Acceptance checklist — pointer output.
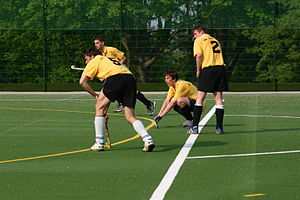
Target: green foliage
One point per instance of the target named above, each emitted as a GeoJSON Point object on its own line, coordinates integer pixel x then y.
{"type": "Point", "coordinates": [39, 42]}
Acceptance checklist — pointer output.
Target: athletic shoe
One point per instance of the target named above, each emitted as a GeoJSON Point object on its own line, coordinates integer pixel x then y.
{"type": "Point", "coordinates": [193, 130]}
{"type": "Point", "coordinates": [187, 123]}
{"type": "Point", "coordinates": [148, 146]}
{"type": "Point", "coordinates": [219, 131]}
{"type": "Point", "coordinates": [119, 109]}
{"type": "Point", "coordinates": [97, 147]}
{"type": "Point", "coordinates": [151, 108]}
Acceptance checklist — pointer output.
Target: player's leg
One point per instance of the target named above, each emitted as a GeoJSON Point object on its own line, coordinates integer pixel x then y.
{"type": "Point", "coordinates": [198, 108]}
{"type": "Point", "coordinates": [219, 112]}
{"type": "Point", "coordinates": [149, 104]}
{"type": "Point", "coordinates": [140, 129]}
{"type": "Point", "coordinates": [220, 85]}
{"type": "Point", "coordinates": [129, 101]}
{"type": "Point", "coordinates": [101, 106]}
{"type": "Point", "coordinates": [183, 107]}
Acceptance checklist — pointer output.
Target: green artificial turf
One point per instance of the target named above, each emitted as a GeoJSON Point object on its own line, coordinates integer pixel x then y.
{"type": "Point", "coordinates": [50, 125]}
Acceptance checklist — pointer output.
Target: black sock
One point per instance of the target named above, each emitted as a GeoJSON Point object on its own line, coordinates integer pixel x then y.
{"type": "Point", "coordinates": [185, 112]}
{"type": "Point", "coordinates": [143, 99]}
{"type": "Point", "coordinates": [219, 117]}
{"type": "Point", "coordinates": [197, 114]}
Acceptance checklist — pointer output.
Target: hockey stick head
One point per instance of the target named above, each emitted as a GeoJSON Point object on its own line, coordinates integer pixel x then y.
{"type": "Point", "coordinates": [107, 145]}
{"type": "Point", "coordinates": [76, 68]}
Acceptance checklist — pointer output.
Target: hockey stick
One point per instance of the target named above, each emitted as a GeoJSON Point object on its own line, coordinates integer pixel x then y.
{"type": "Point", "coordinates": [108, 143]}
{"type": "Point", "coordinates": [76, 68]}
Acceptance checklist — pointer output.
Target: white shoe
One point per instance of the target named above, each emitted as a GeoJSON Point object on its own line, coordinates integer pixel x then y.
{"type": "Point", "coordinates": [151, 108]}
{"type": "Point", "coordinates": [187, 123]}
{"type": "Point", "coordinates": [192, 130]}
{"type": "Point", "coordinates": [120, 108]}
{"type": "Point", "coordinates": [148, 146]}
{"type": "Point", "coordinates": [97, 147]}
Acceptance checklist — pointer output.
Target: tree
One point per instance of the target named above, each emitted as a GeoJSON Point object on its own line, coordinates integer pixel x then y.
{"type": "Point", "coordinates": [155, 35]}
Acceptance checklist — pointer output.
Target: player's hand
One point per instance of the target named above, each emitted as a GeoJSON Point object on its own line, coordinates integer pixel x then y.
{"type": "Point", "coordinates": [198, 73]}
{"type": "Point", "coordinates": [156, 120]}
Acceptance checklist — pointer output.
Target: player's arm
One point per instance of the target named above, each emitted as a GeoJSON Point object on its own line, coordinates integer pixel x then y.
{"type": "Point", "coordinates": [164, 105]}
{"type": "Point", "coordinates": [180, 92]}
{"type": "Point", "coordinates": [119, 55]}
{"type": "Point", "coordinates": [84, 84]}
{"type": "Point", "coordinates": [199, 60]}
{"type": "Point", "coordinates": [167, 108]}
{"type": "Point", "coordinates": [123, 59]}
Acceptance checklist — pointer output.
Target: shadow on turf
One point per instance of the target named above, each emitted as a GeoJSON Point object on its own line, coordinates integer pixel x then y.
{"type": "Point", "coordinates": [164, 148]}
{"type": "Point", "coordinates": [171, 147]}
{"type": "Point", "coordinates": [262, 131]}
{"type": "Point", "coordinates": [207, 125]}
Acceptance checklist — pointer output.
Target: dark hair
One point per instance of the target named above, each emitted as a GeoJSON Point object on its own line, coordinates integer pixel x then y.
{"type": "Point", "coordinates": [199, 28]}
{"type": "Point", "coordinates": [173, 74]}
{"type": "Point", "coordinates": [92, 52]}
{"type": "Point", "coordinates": [101, 39]}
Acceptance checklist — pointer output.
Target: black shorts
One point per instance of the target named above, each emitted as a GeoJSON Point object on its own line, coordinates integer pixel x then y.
{"type": "Point", "coordinates": [121, 87]}
{"type": "Point", "coordinates": [213, 79]}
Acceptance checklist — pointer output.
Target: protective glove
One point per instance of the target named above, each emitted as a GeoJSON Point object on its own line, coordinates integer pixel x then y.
{"type": "Point", "coordinates": [156, 120]}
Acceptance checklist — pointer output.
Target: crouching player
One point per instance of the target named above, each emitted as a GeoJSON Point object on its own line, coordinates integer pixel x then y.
{"type": "Point", "coordinates": [118, 84]}
{"type": "Point", "coordinates": [181, 96]}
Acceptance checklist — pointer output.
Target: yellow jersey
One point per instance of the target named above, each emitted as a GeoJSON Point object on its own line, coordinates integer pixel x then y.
{"type": "Point", "coordinates": [210, 49]}
{"type": "Point", "coordinates": [182, 89]}
{"type": "Point", "coordinates": [113, 52]}
{"type": "Point", "coordinates": [103, 67]}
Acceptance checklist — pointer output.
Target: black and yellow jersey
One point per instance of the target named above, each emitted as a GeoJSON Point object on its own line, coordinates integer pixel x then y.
{"type": "Point", "coordinates": [103, 67]}
{"type": "Point", "coordinates": [112, 52]}
{"type": "Point", "coordinates": [210, 49]}
{"type": "Point", "coordinates": [182, 89]}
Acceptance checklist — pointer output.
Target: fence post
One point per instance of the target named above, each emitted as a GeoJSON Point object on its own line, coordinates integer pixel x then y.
{"type": "Point", "coordinates": [44, 47]}
{"type": "Point", "coordinates": [275, 86]}
{"type": "Point", "coordinates": [122, 2]}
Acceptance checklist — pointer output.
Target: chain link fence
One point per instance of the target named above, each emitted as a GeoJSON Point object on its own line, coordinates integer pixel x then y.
{"type": "Point", "coordinates": [41, 39]}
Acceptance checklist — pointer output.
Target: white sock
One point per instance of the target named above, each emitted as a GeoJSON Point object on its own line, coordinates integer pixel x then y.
{"type": "Point", "coordinates": [99, 129]}
{"type": "Point", "coordinates": [220, 107]}
{"type": "Point", "coordinates": [198, 104]}
{"type": "Point", "coordinates": [140, 129]}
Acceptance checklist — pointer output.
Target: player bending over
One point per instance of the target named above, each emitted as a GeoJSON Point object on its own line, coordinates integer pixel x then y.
{"type": "Point", "coordinates": [115, 53]}
{"type": "Point", "coordinates": [118, 84]}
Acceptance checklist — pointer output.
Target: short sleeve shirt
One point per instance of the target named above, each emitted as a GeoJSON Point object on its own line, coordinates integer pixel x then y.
{"type": "Point", "coordinates": [182, 89]}
{"type": "Point", "coordinates": [113, 52]}
{"type": "Point", "coordinates": [210, 49]}
{"type": "Point", "coordinates": [103, 67]}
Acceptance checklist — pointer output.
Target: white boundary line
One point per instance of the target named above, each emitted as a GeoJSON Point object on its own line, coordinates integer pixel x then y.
{"type": "Point", "coordinates": [264, 116]}
{"type": "Point", "coordinates": [244, 155]}
{"type": "Point", "coordinates": [169, 177]}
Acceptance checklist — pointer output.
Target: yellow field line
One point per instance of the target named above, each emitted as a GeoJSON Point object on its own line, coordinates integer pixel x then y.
{"type": "Point", "coordinates": [76, 151]}
{"type": "Point", "coordinates": [254, 195]}
{"type": "Point", "coordinates": [44, 156]}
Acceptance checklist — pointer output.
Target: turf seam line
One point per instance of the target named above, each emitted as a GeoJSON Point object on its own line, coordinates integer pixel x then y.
{"type": "Point", "coordinates": [169, 177]}
{"type": "Point", "coordinates": [66, 99]}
